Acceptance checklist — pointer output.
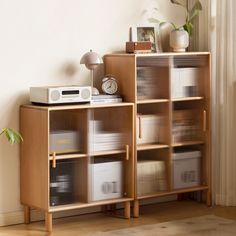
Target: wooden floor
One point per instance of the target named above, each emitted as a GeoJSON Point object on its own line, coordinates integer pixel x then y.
{"type": "Point", "coordinates": [92, 223]}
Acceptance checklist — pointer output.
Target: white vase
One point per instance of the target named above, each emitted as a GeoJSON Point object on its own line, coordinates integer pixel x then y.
{"type": "Point", "coordinates": [179, 40]}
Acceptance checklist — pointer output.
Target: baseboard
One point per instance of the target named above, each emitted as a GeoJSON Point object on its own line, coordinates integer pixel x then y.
{"type": "Point", "coordinates": [17, 217]}
{"type": "Point", "coordinates": [11, 218]}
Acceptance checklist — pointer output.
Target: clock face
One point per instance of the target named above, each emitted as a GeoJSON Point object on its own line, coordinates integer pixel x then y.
{"type": "Point", "coordinates": [109, 86]}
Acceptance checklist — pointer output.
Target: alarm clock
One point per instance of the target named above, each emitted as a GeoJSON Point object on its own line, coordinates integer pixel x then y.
{"type": "Point", "coordinates": [109, 85]}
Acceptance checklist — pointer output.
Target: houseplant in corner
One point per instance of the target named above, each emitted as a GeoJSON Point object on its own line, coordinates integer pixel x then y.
{"type": "Point", "coordinates": [11, 135]}
{"type": "Point", "coordinates": [179, 36]}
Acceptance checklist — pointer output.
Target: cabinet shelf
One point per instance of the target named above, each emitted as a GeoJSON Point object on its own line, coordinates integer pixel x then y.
{"type": "Point", "coordinates": [68, 156]}
{"type": "Point", "coordinates": [147, 101]}
{"type": "Point", "coordinates": [104, 153]}
{"type": "Point", "coordinates": [142, 147]}
{"type": "Point", "coordinates": [80, 205]}
{"type": "Point", "coordinates": [186, 99]}
{"type": "Point", "coordinates": [177, 191]}
{"type": "Point", "coordinates": [187, 143]}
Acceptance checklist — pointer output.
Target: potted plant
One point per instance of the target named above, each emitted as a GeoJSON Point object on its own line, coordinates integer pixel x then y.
{"type": "Point", "coordinates": [179, 36]}
{"type": "Point", "coordinates": [11, 135]}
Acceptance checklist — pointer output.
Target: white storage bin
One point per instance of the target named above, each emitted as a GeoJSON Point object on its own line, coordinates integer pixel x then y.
{"type": "Point", "coordinates": [148, 127]}
{"type": "Point", "coordinates": [106, 180]}
{"type": "Point", "coordinates": [151, 177]}
{"type": "Point", "coordinates": [186, 169]}
{"type": "Point", "coordinates": [184, 82]}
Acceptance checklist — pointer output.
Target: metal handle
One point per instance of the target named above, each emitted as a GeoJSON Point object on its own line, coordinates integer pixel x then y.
{"type": "Point", "coordinates": [140, 127]}
{"type": "Point", "coordinates": [204, 120]}
{"type": "Point", "coordinates": [127, 152]}
{"type": "Point", "coordinates": [54, 161]}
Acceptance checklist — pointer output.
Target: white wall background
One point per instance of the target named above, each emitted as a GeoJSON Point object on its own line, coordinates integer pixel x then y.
{"type": "Point", "coordinates": [41, 43]}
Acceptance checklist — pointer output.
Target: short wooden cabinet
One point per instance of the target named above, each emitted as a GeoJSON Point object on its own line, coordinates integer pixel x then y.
{"type": "Point", "coordinates": [171, 93]}
{"type": "Point", "coordinates": [76, 156]}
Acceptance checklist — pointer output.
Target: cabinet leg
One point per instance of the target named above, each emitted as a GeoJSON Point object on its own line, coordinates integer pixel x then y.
{"type": "Point", "coordinates": [127, 210]}
{"type": "Point", "coordinates": [208, 198]}
{"type": "Point", "coordinates": [136, 208]}
{"type": "Point", "coordinates": [26, 214]}
{"type": "Point", "coordinates": [48, 221]}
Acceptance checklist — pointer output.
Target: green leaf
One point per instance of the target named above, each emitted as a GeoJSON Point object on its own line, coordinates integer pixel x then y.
{"type": "Point", "coordinates": [182, 5]}
{"type": "Point", "coordinates": [195, 10]}
{"type": "Point", "coordinates": [174, 26]}
{"type": "Point", "coordinates": [11, 135]}
{"type": "Point", "coordinates": [189, 28]}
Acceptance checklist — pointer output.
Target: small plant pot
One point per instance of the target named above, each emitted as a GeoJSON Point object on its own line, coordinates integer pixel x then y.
{"type": "Point", "coordinates": [179, 40]}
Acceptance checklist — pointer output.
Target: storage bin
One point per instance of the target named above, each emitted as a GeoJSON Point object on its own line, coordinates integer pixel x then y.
{"type": "Point", "coordinates": [186, 169]}
{"type": "Point", "coordinates": [184, 82]}
{"type": "Point", "coordinates": [64, 141]}
{"type": "Point", "coordinates": [106, 180]}
{"type": "Point", "coordinates": [151, 177]}
{"type": "Point", "coordinates": [148, 127]}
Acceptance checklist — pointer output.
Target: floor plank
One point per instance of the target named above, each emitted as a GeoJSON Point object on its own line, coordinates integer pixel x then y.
{"type": "Point", "coordinates": [99, 222]}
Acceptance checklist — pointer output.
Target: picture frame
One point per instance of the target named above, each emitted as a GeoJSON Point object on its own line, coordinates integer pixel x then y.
{"type": "Point", "coordinates": [146, 33]}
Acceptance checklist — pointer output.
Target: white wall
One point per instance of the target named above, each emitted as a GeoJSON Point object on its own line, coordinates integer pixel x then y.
{"type": "Point", "coordinates": [40, 41]}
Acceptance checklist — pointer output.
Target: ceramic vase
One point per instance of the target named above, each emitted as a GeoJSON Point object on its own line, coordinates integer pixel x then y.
{"type": "Point", "coordinates": [179, 40]}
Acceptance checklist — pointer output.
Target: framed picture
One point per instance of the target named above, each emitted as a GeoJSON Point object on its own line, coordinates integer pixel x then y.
{"type": "Point", "coordinates": [145, 33]}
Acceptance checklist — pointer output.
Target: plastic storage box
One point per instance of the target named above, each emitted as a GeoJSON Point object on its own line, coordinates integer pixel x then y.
{"type": "Point", "coordinates": [106, 180]}
{"type": "Point", "coordinates": [184, 82]}
{"type": "Point", "coordinates": [64, 141]}
{"type": "Point", "coordinates": [186, 169]}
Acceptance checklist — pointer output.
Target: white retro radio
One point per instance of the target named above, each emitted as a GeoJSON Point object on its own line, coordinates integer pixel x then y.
{"type": "Point", "coordinates": [60, 94]}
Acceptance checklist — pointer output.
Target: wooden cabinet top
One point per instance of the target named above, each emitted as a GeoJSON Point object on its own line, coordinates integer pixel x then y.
{"type": "Point", "coordinates": [157, 54]}
{"type": "Point", "coordinates": [76, 106]}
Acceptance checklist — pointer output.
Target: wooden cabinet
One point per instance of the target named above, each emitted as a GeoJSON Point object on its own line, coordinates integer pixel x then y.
{"type": "Point", "coordinates": [171, 94]}
{"type": "Point", "coordinates": [156, 143]}
{"type": "Point", "coordinates": [76, 156]}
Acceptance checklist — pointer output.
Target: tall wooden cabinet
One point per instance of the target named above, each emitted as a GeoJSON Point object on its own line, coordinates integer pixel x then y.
{"type": "Point", "coordinates": [171, 96]}
{"type": "Point", "coordinates": [76, 156]}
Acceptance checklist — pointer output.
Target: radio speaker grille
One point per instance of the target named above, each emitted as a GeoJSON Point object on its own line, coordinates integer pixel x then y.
{"type": "Point", "coordinates": [55, 95]}
{"type": "Point", "coordinates": [85, 94]}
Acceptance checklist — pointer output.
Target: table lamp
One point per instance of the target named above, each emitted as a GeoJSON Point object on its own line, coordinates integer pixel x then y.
{"type": "Point", "coordinates": [91, 60]}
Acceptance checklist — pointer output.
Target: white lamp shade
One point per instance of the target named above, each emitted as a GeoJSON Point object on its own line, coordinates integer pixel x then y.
{"type": "Point", "coordinates": [91, 60]}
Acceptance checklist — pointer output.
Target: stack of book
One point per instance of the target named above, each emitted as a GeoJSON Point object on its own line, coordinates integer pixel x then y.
{"type": "Point", "coordinates": [106, 141]}
{"type": "Point", "coordinates": [101, 140]}
{"type": "Point", "coordinates": [104, 98]}
{"type": "Point", "coordinates": [151, 177]}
